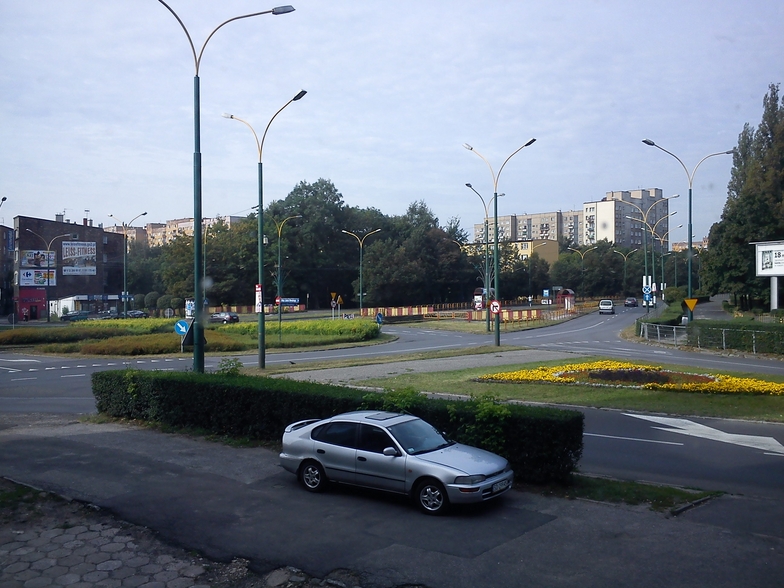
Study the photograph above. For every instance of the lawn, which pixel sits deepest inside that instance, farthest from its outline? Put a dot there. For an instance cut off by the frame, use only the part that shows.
(735, 405)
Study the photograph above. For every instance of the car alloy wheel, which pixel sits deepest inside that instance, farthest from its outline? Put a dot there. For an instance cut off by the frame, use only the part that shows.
(431, 498)
(312, 476)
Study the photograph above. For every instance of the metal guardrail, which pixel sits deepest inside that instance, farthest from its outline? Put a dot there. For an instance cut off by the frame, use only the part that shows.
(664, 334)
(713, 338)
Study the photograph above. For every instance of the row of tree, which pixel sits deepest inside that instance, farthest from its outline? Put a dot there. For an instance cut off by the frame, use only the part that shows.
(412, 259)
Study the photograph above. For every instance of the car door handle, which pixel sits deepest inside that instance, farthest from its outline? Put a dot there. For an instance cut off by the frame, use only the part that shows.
(320, 451)
(360, 458)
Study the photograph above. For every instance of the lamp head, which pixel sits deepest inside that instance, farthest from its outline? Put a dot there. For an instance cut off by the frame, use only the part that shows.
(299, 95)
(282, 9)
(227, 115)
(467, 146)
(467, 184)
(530, 142)
(649, 142)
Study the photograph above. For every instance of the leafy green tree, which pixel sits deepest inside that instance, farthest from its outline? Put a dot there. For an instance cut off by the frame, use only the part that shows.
(151, 299)
(754, 210)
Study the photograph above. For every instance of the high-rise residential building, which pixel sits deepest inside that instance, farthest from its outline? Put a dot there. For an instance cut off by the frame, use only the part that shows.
(628, 218)
(550, 226)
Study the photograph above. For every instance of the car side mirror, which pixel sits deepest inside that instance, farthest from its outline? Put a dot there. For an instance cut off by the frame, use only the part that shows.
(391, 452)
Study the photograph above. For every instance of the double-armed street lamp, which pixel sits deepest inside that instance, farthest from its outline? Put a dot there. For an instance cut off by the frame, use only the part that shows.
(197, 327)
(690, 177)
(260, 219)
(495, 227)
(662, 239)
(530, 268)
(125, 259)
(279, 226)
(582, 265)
(486, 281)
(625, 257)
(361, 241)
(48, 265)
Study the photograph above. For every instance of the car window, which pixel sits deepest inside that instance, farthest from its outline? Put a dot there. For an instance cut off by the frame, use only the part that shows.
(416, 436)
(374, 439)
(337, 433)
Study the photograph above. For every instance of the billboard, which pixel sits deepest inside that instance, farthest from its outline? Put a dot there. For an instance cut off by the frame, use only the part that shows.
(79, 258)
(37, 258)
(36, 277)
(770, 258)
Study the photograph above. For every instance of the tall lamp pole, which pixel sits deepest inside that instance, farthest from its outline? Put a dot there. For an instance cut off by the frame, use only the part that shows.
(582, 265)
(530, 267)
(125, 259)
(625, 257)
(662, 239)
(48, 265)
(361, 241)
(260, 218)
(487, 260)
(198, 328)
(280, 282)
(495, 226)
(690, 177)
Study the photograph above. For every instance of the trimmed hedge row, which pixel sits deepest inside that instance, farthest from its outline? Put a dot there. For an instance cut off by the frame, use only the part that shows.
(754, 337)
(542, 444)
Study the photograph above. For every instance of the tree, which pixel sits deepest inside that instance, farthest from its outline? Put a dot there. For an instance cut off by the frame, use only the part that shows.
(754, 210)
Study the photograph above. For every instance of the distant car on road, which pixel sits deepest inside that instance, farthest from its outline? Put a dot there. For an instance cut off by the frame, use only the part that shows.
(630, 302)
(606, 307)
(224, 317)
(77, 315)
(393, 452)
(134, 314)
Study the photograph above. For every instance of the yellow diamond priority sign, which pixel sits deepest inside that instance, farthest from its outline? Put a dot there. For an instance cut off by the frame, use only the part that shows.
(691, 303)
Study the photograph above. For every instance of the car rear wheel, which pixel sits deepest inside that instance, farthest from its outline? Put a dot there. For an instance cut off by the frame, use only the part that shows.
(312, 476)
(431, 498)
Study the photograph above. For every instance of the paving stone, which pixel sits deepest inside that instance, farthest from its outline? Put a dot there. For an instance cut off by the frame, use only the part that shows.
(52, 533)
(164, 559)
(82, 569)
(85, 550)
(70, 560)
(67, 579)
(99, 541)
(153, 585)
(43, 564)
(39, 582)
(78, 529)
(111, 532)
(135, 581)
(95, 576)
(112, 547)
(151, 569)
(16, 567)
(73, 544)
(87, 535)
(122, 573)
(59, 552)
(109, 583)
(122, 539)
(32, 556)
(25, 575)
(23, 550)
(109, 565)
(165, 576)
(192, 571)
(26, 536)
(138, 561)
(54, 571)
(96, 558)
(180, 583)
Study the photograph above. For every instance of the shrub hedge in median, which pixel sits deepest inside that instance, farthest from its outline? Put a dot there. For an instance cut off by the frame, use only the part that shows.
(542, 444)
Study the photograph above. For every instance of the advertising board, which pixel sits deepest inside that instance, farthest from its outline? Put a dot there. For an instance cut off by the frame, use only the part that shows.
(79, 258)
(37, 258)
(770, 258)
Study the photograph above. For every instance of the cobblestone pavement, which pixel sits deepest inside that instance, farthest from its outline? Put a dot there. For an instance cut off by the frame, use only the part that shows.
(47, 541)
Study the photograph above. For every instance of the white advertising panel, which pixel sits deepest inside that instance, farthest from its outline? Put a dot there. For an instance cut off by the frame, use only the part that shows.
(35, 277)
(37, 258)
(770, 258)
(79, 258)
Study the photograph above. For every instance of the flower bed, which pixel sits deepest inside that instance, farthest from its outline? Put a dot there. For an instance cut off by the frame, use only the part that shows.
(629, 375)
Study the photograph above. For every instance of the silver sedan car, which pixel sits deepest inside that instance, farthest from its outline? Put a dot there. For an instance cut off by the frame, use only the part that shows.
(394, 452)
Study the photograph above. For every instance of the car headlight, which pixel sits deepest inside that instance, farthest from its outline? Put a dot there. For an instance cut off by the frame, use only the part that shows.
(470, 479)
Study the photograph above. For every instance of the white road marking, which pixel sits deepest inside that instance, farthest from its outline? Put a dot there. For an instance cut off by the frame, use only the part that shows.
(686, 427)
(631, 439)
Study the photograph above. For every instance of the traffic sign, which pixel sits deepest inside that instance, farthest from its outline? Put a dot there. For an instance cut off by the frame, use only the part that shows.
(646, 290)
(181, 327)
(691, 303)
(495, 307)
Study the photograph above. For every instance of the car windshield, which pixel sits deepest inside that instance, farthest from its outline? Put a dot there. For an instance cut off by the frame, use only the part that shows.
(416, 437)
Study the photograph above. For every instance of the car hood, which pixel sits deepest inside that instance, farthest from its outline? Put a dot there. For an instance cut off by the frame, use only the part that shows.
(469, 460)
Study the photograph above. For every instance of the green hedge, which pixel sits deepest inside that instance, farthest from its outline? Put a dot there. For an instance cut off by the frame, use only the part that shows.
(741, 335)
(542, 444)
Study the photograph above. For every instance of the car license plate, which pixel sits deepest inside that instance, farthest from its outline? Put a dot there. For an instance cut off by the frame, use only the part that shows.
(498, 486)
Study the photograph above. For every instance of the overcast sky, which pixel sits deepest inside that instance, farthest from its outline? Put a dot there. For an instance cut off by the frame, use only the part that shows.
(96, 103)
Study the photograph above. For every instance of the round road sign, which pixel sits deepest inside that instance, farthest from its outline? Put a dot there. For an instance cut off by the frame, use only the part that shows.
(495, 307)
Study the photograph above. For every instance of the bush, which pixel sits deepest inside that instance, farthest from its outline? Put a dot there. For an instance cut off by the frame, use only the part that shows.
(740, 334)
(542, 444)
(151, 299)
(164, 302)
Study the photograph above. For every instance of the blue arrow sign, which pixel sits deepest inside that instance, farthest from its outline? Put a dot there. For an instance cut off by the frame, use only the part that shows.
(181, 327)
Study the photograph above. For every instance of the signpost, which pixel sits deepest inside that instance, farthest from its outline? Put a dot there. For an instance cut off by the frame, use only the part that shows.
(495, 307)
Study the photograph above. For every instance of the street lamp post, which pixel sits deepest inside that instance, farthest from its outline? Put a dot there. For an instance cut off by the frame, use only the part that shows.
(690, 177)
(486, 281)
(279, 226)
(495, 227)
(582, 265)
(260, 219)
(48, 265)
(197, 327)
(530, 261)
(125, 260)
(644, 214)
(361, 241)
(662, 239)
(625, 257)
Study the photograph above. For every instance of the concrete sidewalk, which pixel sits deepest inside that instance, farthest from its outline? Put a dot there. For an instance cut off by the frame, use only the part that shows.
(213, 503)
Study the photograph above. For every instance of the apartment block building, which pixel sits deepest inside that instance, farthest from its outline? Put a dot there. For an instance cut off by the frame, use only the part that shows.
(628, 218)
(531, 227)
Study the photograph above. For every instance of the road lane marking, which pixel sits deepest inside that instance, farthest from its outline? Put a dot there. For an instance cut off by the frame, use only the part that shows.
(631, 439)
(687, 427)
(22, 379)
(74, 376)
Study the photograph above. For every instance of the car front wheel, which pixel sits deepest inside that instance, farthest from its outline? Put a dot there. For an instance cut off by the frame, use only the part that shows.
(312, 476)
(431, 498)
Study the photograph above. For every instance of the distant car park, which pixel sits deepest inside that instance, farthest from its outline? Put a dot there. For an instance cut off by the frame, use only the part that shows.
(630, 302)
(134, 314)
(77, 315)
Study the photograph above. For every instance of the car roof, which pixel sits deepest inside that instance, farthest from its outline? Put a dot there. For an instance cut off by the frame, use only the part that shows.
(378, 417)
